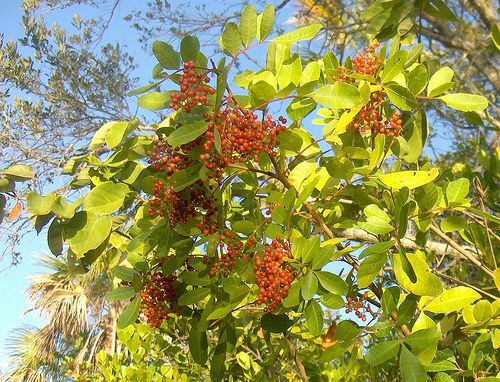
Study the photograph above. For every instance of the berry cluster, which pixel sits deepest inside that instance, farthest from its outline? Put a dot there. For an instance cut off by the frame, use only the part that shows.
(274, 275)
(369, 118)
(194, 91)
(182, 206)
(158, 298)
(165, 159)
(230, 251)
(242, 136)
(359, 306)
(367, 62)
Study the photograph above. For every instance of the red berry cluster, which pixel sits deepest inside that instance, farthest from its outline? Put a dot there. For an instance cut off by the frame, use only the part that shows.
(182, 206)
(230, 251)
(193, 89)
(369, 118)
(158, 298)
(359, 306)
(242, 136)
(274, 275)
(165, 158)
(367, 62)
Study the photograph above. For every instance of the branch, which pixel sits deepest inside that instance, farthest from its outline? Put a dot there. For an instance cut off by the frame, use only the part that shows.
(485, 12)
(298, 362)
(408, 242)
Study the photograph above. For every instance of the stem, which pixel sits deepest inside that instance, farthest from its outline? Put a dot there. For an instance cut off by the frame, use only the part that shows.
(460, 250)
(298, 362)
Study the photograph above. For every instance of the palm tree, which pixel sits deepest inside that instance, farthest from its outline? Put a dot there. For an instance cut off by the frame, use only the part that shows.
(80, 320)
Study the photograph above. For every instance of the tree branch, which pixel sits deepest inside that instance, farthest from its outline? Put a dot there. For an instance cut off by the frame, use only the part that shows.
(298, 362)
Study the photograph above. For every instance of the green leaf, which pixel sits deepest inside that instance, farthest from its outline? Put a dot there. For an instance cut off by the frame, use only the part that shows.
(465, 102)
(248, 25)
(382, 352)
(439, 79)
(332, 283)
(154, 100)
(130, 313)
(426, 283)
(293, 298)
(38, 204)
(332, 301)
(222, 311)
(422, 339)
(346, 331)
(217, 368)
(400, 96)
(198, 345)
(309, 286)
(370, 268)
(314, 318)
(306, 249)
(410, 367)
(6, 184)
(381, 247)
(453, 300)
(230, 40)
(142, 89)
(106, 198)
(185, 177)
(290, 72)
(483, 311)
(457, 191)
(300, 107)
(19, 172)
(190, 47)
(55, 239)
(86, 231)
(166, 55)
(261, 92)
(186, 133)
(265, 22)
(394, 66)
(194, 296)
(121, 293)
(124, 273)
(3, 203)
(304, 33)
(453, 224)
(376, 225)
(417, 79)
(337, 96)
(416, 131)
(323, 257)
(116, 133)
(275, 323)
(410, 179)
(414, 54)
(243, 226)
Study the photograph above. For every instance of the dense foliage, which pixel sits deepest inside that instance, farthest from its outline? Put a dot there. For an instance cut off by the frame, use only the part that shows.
(240, 240)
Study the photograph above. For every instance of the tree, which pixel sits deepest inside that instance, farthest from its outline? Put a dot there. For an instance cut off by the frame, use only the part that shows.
(237, 229)
(80, 321)
(51, 113)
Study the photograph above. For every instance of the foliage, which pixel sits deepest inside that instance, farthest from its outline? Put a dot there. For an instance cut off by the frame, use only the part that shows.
(260, 229)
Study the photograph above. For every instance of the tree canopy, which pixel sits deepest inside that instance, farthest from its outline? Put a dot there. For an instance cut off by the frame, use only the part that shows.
(276, 220)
